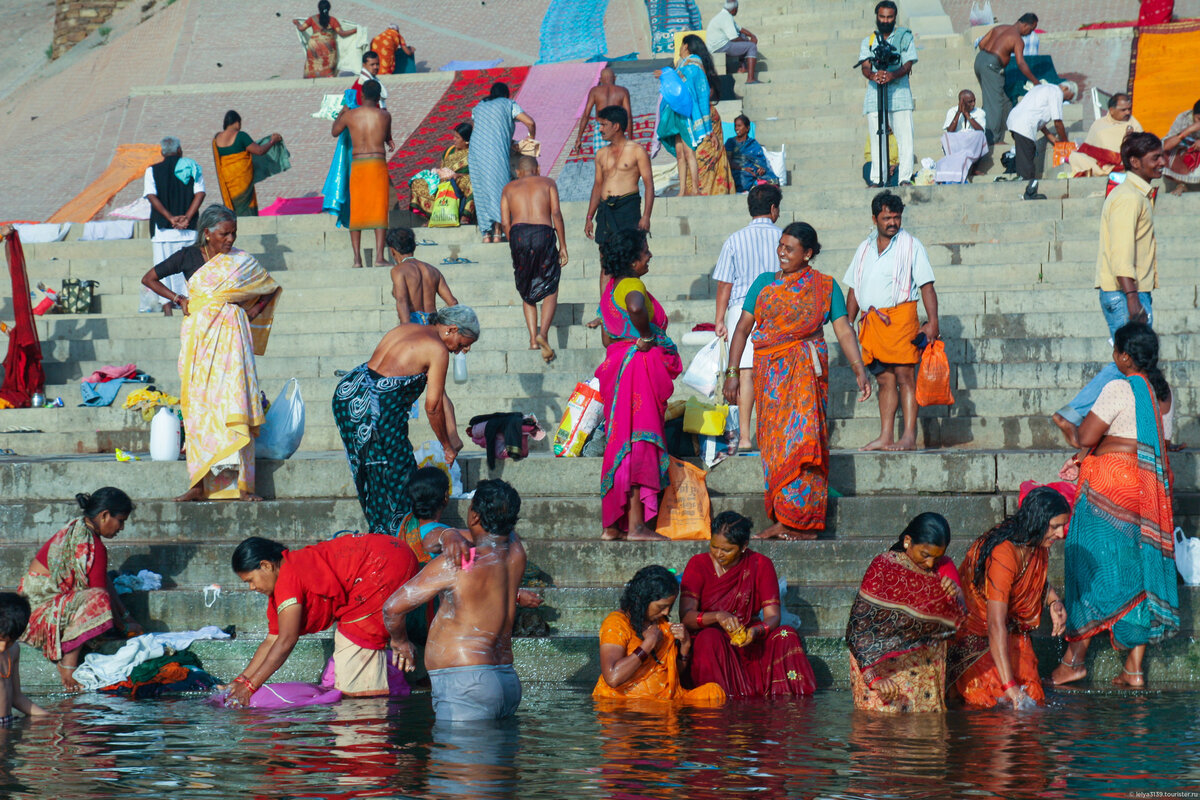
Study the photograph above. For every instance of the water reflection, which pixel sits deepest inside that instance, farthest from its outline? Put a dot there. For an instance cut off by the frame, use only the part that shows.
(564, 745)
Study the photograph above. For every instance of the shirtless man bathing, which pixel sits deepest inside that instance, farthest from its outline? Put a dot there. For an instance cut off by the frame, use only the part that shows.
(614, 202)
(602, 95)
(370, 187)
(532, 221)
(469, 650)
(996, 48)
(415, 284)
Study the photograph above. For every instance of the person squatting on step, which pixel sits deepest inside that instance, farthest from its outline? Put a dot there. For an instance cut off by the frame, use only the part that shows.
(1126, 266)
(747, 254)
(227, 321)
(416, 286)
(72, 598)
(175, 189)
(14, 617)
(894, 77)
(469, 651)
(1040, 106)
(372, 403)
(890, 271)
(532, 221)
(344, 580)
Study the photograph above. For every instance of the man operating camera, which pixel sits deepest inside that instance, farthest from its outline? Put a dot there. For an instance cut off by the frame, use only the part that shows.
(886, 58)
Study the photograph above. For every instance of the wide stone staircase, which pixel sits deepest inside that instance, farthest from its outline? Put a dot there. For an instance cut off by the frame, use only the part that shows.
(1018, 314)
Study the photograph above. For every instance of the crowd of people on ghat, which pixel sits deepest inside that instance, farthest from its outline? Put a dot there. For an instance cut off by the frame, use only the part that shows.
(922, 633)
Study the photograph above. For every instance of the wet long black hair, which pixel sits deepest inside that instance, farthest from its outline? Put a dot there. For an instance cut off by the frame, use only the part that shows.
(646, 586)
(927, 528)
(1026, 528)
(1139, 341)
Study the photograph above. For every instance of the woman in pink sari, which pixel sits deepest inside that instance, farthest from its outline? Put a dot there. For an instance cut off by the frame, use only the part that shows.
(636, 380)
(730, 603)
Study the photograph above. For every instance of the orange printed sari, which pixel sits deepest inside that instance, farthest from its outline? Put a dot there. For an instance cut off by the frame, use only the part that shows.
(971, 669)
(658, 677)
(235, 176)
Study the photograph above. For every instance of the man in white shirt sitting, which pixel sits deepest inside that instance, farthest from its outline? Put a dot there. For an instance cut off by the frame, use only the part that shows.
(724, 36)
(964, 139)
(1042, 105)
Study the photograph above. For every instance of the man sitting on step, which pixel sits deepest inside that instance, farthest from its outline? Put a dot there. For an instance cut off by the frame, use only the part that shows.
(469, 650)
(889, 272)
(1100, 152)
(727, 37)
(415, 284)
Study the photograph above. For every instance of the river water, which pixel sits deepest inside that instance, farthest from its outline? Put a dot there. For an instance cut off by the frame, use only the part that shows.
(563, 746)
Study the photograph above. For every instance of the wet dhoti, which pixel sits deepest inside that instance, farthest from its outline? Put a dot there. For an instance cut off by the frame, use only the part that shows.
(536, 269)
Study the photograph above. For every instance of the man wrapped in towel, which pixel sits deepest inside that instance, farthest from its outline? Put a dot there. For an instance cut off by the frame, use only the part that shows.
(890, 271)
(369, 187)
(1100, 152)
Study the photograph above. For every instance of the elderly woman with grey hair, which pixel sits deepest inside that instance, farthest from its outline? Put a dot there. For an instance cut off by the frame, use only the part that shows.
(174, 188)
(228, 313)
(371, 408)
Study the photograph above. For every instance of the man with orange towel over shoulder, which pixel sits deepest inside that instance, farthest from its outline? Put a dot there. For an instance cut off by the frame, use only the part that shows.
(890, 271)
(370, 189)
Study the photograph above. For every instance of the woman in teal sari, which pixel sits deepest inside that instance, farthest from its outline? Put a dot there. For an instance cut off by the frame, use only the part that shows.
(1120, 547)
(747, 158)
(682, 134)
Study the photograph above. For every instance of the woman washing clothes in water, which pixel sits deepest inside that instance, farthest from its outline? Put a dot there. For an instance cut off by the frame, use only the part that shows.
(344, 580)
(72, 599)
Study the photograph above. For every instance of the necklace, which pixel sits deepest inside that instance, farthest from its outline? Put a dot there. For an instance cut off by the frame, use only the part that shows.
(6, 671)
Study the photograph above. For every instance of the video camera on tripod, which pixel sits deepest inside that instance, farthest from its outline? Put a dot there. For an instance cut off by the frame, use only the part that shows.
(884, 57)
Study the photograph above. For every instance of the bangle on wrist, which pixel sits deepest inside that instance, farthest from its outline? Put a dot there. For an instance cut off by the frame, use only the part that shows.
(640, 653)
(242, 679)
(732, 372)
(1005, 687)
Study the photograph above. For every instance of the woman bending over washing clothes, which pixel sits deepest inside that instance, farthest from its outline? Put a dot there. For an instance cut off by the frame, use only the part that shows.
(908, 606)
(731, 606)
(344, 580)
(1120, 557)
(991, 660)
(72, 599)
(642, 654)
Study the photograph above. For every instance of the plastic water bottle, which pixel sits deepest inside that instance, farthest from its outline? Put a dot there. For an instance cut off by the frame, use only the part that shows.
(460, 367)
(164, 436)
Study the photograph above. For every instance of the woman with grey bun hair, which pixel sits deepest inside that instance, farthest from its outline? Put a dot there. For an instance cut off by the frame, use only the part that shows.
(228, 312)
(371, 407)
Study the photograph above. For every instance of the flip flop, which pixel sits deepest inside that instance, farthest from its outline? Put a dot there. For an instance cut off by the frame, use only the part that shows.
(427, 243)
(459, 260)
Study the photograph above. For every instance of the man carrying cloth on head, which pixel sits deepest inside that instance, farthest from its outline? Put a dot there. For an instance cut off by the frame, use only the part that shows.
(889, 272)
(532, 221)
(370, 190)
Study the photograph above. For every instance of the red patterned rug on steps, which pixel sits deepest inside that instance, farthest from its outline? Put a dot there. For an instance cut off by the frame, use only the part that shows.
(424, 147)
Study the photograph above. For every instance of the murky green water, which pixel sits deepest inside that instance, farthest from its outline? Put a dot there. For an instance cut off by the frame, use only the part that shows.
(561, 746)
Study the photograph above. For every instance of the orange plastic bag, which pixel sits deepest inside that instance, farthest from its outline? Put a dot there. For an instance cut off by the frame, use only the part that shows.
(685, 512)
(933, 377)
(1062, 151)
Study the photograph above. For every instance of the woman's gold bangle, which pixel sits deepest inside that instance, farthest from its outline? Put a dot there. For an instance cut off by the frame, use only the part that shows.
(732, 372)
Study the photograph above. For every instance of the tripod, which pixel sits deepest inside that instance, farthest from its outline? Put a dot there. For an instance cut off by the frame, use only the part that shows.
(881, 94)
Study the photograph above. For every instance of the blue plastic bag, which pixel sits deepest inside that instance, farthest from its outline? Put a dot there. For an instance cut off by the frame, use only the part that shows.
(674, 92)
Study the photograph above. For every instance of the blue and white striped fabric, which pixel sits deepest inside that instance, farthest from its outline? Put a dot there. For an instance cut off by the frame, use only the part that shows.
(488, 157)
(746, 254)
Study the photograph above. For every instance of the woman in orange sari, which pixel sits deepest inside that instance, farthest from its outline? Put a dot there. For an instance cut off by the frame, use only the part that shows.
(228, 316)
(233, 149)
(1004, 578)
(321, 49)
(641, 652)
(69, 591)
(786, 311)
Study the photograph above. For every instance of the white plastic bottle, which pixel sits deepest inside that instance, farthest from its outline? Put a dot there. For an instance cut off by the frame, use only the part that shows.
(164, 436)
(460, 367)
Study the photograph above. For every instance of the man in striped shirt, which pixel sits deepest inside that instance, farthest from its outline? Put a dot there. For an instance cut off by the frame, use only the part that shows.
(746, 254)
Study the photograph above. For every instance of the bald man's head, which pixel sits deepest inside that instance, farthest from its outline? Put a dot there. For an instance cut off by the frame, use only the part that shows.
(967, 98)
(607, 77)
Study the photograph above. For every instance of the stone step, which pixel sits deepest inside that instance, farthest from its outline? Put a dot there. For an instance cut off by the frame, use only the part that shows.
(326, 475)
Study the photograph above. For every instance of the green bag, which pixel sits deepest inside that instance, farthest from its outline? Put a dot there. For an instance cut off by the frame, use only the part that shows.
(445, 207)
(76, 296)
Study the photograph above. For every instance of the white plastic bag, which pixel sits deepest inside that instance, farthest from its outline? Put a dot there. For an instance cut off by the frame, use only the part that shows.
(279, 437)
(981, 13)
(1187, 557)
(432, 454)
(705, 372)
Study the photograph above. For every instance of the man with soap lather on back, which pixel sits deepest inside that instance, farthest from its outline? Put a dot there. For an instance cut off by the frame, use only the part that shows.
(469, 650)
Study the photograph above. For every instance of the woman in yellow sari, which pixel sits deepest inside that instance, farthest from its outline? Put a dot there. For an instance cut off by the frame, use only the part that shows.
(423, 186)
(233, 149)
(640, 657)
(227, 321)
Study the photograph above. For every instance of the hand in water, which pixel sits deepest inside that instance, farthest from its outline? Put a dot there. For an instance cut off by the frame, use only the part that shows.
(886, 688)
(239, 695)
(1017, 698)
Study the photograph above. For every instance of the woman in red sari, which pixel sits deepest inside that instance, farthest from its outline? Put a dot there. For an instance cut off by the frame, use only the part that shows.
(636, 380)
(909, 604)
(1004, 579)
(68, 587)
(786, 311)
(731, 605)
(321, 47)
(344, 580)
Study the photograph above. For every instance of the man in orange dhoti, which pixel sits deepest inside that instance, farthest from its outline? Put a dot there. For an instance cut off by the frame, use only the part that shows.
(889, 272)
(370, 130)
